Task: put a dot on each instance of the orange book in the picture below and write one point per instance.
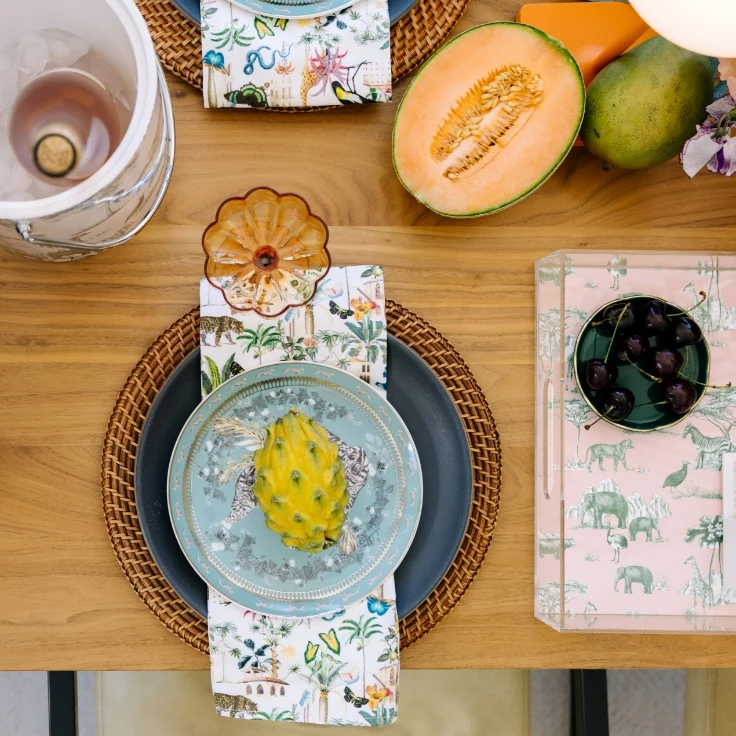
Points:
(594, 33)
(649, 33)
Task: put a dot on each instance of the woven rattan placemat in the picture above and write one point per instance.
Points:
(126, 424)
(413, 38)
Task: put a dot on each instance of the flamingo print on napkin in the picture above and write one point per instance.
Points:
(341, 668)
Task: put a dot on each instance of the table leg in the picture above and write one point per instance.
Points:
(62, 703)
(589, 712)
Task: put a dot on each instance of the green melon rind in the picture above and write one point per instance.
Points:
(573, 64)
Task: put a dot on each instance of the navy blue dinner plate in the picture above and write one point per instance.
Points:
(438, 433)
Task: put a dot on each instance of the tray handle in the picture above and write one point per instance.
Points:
(548, 479)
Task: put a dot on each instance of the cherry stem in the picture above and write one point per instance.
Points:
(687, 358)
(603, 321)
(615, 330)
(644, 373)
(602, 416)
(651, 403)
(703, 297)
(707, 385)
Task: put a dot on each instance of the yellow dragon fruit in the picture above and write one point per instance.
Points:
(300, 483)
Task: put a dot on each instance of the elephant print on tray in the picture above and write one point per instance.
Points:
(636, 541)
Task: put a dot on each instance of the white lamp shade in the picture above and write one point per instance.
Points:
(705, 26)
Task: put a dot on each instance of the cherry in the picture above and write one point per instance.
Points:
(684, 331)
(631, 347)
(600, 373)
(618, 404)
(653, 317)
(666, 362)
(681, 395)
(617, 317)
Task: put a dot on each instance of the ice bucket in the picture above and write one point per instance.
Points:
(118, 200)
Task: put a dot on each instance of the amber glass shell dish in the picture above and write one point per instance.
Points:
(266, 252)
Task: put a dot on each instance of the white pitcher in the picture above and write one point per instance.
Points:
(117, 201)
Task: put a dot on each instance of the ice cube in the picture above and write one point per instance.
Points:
(17, 197)
(124, 111)
(40, 189)
(64, 48)
(7, 157)
(31, 54)
(8, 86)
(7, 160)
(109, 78)
(123, 100)
(23, 80)
(4, 121)
(17, 180)
(6, 59)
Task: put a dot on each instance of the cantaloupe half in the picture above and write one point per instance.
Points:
(488, 119)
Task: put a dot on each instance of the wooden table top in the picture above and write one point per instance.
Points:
(71, 333)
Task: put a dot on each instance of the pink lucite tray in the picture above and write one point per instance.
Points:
(647, 555)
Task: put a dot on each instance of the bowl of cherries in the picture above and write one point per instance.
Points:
(641, 363)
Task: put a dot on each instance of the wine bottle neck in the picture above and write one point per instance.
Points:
(55, 154)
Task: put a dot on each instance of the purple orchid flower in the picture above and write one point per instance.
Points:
(714, 144)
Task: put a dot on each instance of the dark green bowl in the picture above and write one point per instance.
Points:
(593, 342)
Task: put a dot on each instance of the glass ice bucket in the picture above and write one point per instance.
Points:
(117, 201)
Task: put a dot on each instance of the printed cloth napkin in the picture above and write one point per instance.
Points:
(339, 669)
(257, 61)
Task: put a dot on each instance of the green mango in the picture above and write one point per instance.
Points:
(644, 105)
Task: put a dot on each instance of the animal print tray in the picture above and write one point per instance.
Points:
(629, 526)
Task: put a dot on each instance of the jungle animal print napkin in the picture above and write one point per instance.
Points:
(257, 61)
(342, 668)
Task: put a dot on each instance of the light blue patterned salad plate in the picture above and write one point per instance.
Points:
(192, 9)
(222, 531)
(293, 9)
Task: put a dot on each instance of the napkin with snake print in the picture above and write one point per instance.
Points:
(250, 60)
(341, 668)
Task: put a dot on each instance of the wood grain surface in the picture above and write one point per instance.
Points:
(71, 333)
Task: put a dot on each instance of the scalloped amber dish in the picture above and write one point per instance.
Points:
(266, 252)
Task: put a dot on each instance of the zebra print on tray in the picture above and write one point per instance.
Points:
(709, 449)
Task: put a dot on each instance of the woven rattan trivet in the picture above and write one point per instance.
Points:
(126, 423)
(413, 38)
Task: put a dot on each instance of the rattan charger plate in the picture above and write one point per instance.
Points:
(413, 38)
(126, 424)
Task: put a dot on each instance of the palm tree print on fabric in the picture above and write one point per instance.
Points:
(275, 715)
(261, 340)
(219, 646)
(256, 658)
(330, 339)
(369, 28)
(382, 716)
(233, 35)
(324, 674)
(274, 631)
(359, 632)
(368, 340)
(214, 376)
